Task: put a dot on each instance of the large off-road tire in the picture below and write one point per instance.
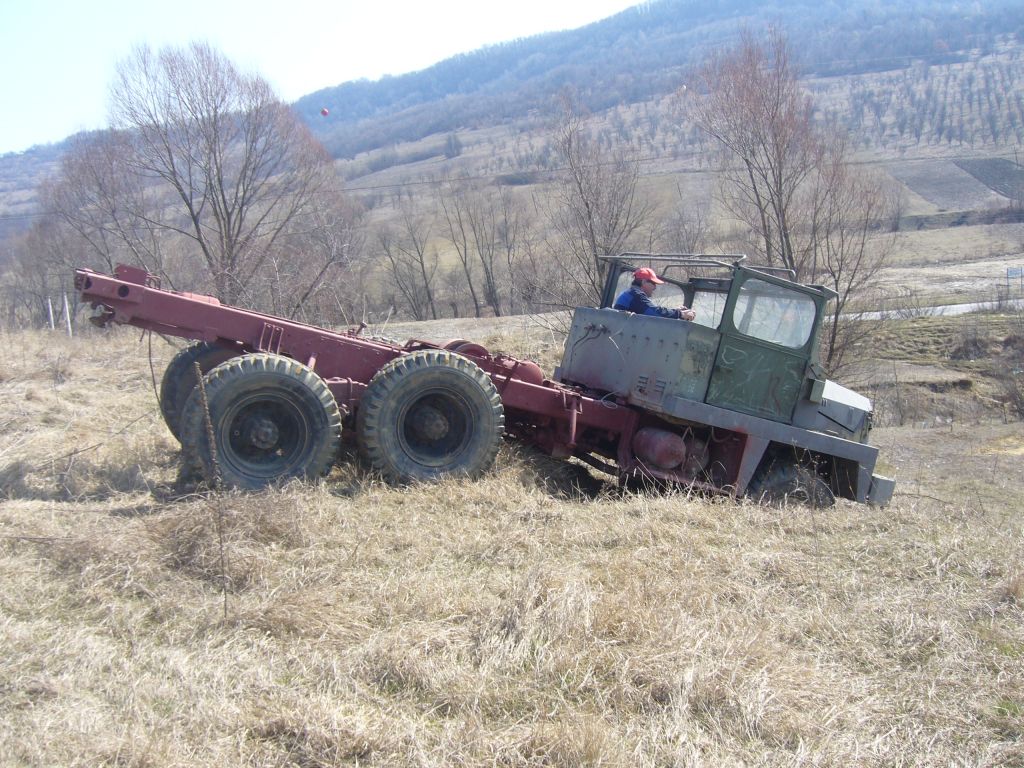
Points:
(271, 419)
(180, 379)
(781, 483)
(427, 414)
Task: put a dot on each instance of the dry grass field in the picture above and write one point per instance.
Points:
(945, 185)
(527, 619)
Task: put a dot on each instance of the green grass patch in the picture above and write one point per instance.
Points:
(937, 339)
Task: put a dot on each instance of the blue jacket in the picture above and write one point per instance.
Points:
(633, 299)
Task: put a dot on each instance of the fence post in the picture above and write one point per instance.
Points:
(67, 315)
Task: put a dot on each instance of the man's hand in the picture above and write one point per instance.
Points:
(687, 314)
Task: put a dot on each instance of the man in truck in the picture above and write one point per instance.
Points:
(637, 298)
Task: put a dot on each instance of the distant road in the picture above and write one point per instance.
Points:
(944, 310)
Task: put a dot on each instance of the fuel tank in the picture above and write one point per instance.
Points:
(663, 449)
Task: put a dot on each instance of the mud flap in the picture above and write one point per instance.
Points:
(881, 490)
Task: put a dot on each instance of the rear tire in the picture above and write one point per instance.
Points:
(427, 414)
(271, 418)
(783, 483)
(180, 379)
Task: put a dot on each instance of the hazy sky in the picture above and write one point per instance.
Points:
(57, 57)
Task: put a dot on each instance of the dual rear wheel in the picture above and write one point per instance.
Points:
(180, 379)
(427, 414)
(424, 415)
(270, 419)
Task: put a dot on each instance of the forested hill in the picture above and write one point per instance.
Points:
(642, 52)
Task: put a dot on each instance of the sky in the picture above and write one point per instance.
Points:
(58, 57)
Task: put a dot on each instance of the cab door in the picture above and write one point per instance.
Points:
(769, 331)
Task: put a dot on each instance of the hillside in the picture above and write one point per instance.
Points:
(870, 61)
(541, 616)
(537, 617)
(641, 54)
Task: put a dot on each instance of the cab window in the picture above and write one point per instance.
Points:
(709, 306)
(775, 314)
(667, 295)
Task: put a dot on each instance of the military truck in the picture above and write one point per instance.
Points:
(739, 392)
(734, 402)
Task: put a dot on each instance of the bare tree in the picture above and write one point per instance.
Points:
(29, 279)
(239, 164)
(325, 259)
(411, 262)
(512, 238)
(852, 238)
(457, 205)
(687, 226)
(113, 212)
(790, 181)
(39, 270)
(597, 207)
(485, 227)
(752, 104)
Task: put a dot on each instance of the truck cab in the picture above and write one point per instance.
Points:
(747, 364)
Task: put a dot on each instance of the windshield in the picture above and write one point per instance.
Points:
(775, 314)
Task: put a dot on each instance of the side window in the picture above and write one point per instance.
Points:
(775, 314)
(669, 295)
(709, 306)
(624, 281)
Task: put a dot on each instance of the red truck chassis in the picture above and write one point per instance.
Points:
(562, 420)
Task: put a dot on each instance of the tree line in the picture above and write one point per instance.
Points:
(206, 180)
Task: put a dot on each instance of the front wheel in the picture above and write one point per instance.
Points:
(271, 418)
(427, 414)
(782, 483)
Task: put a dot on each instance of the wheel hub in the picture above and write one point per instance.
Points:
(260, 432)
(429, 423)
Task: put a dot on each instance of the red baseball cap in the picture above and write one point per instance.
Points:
(646, 273)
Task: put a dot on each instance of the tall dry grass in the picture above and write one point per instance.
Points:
(508, 622)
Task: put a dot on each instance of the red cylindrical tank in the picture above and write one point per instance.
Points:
(528, 371)
(466, 348)
(663, 449)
